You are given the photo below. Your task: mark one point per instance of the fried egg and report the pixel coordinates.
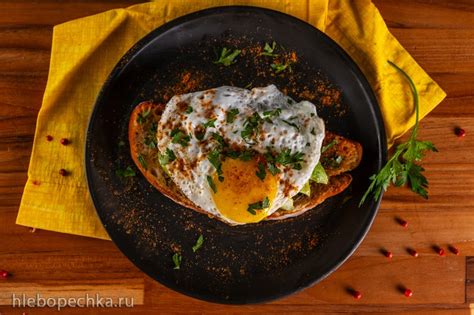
(239, 154)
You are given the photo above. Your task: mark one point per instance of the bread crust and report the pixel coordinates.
(148, 113)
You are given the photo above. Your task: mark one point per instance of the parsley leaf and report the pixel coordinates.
(261, 171)
(141, 116)
(219, 138)
(280, 67)
(177, 260)
(251, 126)
(166, 158)
(214, 158)
(401, 168)
(189, 110)
(227, 56)
(259, 205)
(210, 123)
(231, 114)
(128, 172)
(179, 137)
(199, 243)
(273, 169)
(142, 161)
(211, 183)
(328, 146)
(268, 50)
(286, 158)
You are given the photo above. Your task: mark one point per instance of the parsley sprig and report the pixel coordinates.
(227, 56)
(269, 50)
(259, 205)
(401, 168)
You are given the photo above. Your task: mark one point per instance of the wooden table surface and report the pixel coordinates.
(440, 36)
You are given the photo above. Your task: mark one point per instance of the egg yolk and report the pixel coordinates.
(242, 187)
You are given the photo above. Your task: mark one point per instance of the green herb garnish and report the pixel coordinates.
(251, 126)
(150, 142)
(199, 243)
(179, 137)
(258, 206)
(280, 67)
(287, 158)
(214, 158)
(211, 183)
(219, 138)
(227, 56)
(128, 172)
(328, 146)
(189, 110)
(142, 161)
(401, 168)
(267, 115)
(268, 50)
(166, 158)
(177, 260)
(231, 114)
(273, 169)
(261, 173)
(141, 116)
(210, 123)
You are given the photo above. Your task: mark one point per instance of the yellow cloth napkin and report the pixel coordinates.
(84, 52)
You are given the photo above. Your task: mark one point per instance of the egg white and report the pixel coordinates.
(194, 167)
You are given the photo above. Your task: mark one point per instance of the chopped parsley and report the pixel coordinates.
(141, 116)
(198, 244)
(334, 161)
(328, 146)
(215, 159)
(251, 126)
(179, 137)
(272, 168)
(280, 67)
(261, 173)
(211, 184)
(177, 260)
(267, 115)
(142, 161)
(269, 50)
(219, 138)
(259, 205)
(166, 158)
(291, 124)
(227, 56)
(128, 172)
(231, 114)
(150, 142)
(285, 157)
(189, 110)
(210, 123)
(246, 155)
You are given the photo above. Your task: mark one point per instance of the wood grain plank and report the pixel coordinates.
(50, 12)
(16, 293)
(427, 14)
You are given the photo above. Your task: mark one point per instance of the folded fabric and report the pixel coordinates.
(84, 51)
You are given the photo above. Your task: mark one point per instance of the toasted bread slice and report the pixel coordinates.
(142, 135)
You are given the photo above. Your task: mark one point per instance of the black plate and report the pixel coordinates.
(243, 264)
